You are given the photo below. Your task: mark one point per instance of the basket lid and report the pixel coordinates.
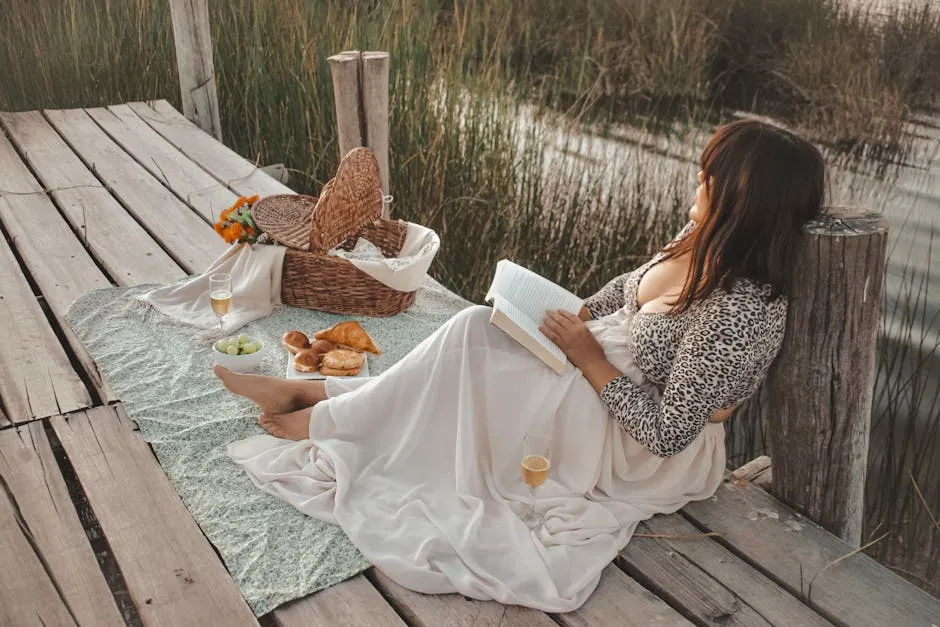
(286, 218)
(351, 200)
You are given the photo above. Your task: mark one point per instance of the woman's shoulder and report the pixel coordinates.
(749, 302)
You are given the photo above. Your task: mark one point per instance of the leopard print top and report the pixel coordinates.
(713, 356)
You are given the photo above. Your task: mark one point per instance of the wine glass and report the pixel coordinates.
(535, 465)
(220, 296)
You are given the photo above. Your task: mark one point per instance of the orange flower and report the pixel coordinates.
(239, 203)
(227, 213)
(253, 199)
(218, 227)
(237, 231)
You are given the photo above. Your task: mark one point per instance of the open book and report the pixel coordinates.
(520, 299)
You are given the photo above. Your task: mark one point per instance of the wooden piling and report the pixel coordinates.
(193, 39)
(360, 91)
(349, 117)
(375, 102)
(819, 390)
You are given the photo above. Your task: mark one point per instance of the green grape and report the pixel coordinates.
(249, 348)
(232, 350)
(221, 346)
(243, 339)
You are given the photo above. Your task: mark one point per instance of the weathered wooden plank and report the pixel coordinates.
(620, 600)
(237, 173)
(171, 222)
(55, 258)
(794, 551)
(431, 610)
(36, 378)
(32, 476)
(354, 602)
(126, 251)
(686, 586)
(758, 471)
(177, 171)
(27, 595)
(768, 599)
(171, 570)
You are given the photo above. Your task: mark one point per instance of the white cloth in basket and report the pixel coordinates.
(405, 272)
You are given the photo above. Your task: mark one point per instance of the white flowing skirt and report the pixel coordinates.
(420, 466)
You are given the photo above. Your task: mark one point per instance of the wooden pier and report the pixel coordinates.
(91, 531)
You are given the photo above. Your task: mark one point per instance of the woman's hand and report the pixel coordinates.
(573, 337)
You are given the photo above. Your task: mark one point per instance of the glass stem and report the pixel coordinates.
(531, 500)
(221, 328)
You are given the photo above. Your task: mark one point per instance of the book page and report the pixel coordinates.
(530, 328)
(530, 293)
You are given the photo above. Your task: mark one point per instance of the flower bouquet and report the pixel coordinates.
(235, 223)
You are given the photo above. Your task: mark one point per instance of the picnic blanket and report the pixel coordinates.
(161, 370)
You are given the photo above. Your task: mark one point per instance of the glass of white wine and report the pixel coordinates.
(220, 295)
(535, 466)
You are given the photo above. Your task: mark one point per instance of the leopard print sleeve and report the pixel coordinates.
(609, 298)
(721, 360)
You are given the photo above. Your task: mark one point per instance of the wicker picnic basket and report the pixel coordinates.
(349, 207)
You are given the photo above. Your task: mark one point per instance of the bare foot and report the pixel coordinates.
(272, 395)
(292, 426)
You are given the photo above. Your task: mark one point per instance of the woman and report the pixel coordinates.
(420, 465)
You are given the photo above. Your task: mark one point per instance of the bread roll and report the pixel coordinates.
(342, 363)
(333, 372)
(295, 341)
(322, 346)
(341, 359)
(307, 361)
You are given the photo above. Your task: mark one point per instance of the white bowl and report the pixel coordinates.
(240, 363)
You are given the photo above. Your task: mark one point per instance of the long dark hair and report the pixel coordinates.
(764, 183)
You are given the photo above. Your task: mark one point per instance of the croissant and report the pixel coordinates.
(349, 334)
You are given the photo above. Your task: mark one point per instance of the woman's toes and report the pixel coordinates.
(234, 382)
(224, 374)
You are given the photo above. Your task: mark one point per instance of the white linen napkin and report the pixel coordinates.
(256, 289)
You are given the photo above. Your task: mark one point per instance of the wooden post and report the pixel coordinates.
(194, 59)
(820, 388)
(360, 90)
(375, 102)
(345, 69)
